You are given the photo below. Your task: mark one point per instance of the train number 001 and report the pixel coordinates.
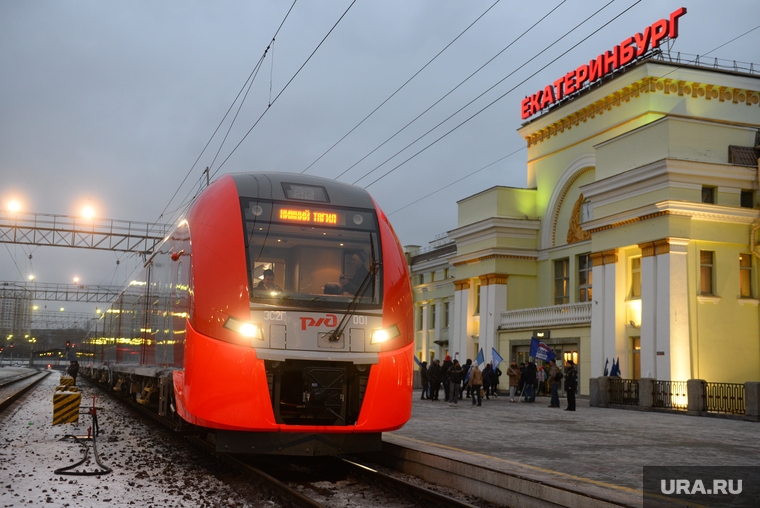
(274, 315)
(360, 320)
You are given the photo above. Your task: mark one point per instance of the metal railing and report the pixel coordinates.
(670, 395)
(703, 61)
(724, 397)
(624, 391)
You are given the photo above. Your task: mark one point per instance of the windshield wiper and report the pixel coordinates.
(374, 268)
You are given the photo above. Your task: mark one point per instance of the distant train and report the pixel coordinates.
(278, 312)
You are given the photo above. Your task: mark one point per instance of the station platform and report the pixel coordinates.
(595, 452)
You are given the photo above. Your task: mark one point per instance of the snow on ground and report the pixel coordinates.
(151, 468)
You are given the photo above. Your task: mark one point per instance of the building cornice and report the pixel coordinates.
(698, 211)
(667, 173)
(696, 90)
(488, 254)
(495, 227)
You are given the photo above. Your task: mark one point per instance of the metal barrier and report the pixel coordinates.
(624, 391)
(670, 394)
(724, 397)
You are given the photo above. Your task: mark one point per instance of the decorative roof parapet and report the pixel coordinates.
(649, 84)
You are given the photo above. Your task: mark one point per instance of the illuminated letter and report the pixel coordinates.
(659, 31)
(548, 97)
(674, 21)
(731, 487)
(682, 487)
(581, 75)
(611, 60)
(642, 41)
(535, 101)
(698, 487)
(570, 85)
(626, 51)
(595, 69)
(525, 108)
(561, 91)
(665, 490)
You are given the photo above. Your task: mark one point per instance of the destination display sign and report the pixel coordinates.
(309, 216)
(621, 55)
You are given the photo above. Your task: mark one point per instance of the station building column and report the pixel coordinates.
(493, 301)
(665, 329)
(608, 313)
(424, 334)
(460, 339)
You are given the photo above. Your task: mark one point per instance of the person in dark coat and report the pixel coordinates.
(73, 370)
(455, 378)
(487, 379)
(495, 374)
(571, 385)
(425, 380)
(465, 373)
(445, 377)
(434, 376)
(530, 382)
(521, 386)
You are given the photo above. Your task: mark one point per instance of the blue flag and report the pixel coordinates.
(615, 368)
(541, 351)
(480, 359)
(497, 359)
(417, 361)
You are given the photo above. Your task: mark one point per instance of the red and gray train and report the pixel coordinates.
(278, 313)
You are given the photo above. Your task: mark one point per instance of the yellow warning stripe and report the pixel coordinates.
(66, 407)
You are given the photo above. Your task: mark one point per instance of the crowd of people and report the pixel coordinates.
(526, 381)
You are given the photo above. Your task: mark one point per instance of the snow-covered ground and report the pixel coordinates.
(150, 467)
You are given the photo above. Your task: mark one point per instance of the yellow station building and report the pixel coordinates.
(635, 239)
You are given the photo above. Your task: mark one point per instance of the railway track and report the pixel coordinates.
(13, 388)
(301, 482)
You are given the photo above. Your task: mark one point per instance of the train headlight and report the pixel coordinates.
(244, 328)
(384, 334)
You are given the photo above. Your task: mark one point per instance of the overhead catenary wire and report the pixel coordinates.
(468, 175)
(450, 91)
(250, 79)
(498, 98)
(399, 89)
(284, 88)
(523, 148)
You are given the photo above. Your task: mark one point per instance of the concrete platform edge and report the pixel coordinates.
(500, 481)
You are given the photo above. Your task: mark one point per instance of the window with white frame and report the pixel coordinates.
(635, 277)
(561, 281)
(745, 275)
(706, 272)
(585, 277)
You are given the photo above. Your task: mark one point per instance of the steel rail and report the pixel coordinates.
(283, 490)
(10, 399)
(427, 496)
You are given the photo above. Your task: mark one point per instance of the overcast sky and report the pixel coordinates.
(111, 103)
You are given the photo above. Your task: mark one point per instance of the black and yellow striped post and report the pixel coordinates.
(66, 400)
(66, 380)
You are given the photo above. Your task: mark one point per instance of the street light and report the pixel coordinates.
(31, 278)
(13, 206)
(76, 280)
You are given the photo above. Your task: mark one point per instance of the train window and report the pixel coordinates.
(312, 256)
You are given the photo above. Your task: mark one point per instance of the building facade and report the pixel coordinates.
(635, 239)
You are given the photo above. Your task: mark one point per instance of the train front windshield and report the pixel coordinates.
(312, 256)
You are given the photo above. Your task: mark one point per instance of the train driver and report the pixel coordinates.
(267, 283)
(353, 284)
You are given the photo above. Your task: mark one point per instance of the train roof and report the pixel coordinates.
(276, 186)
